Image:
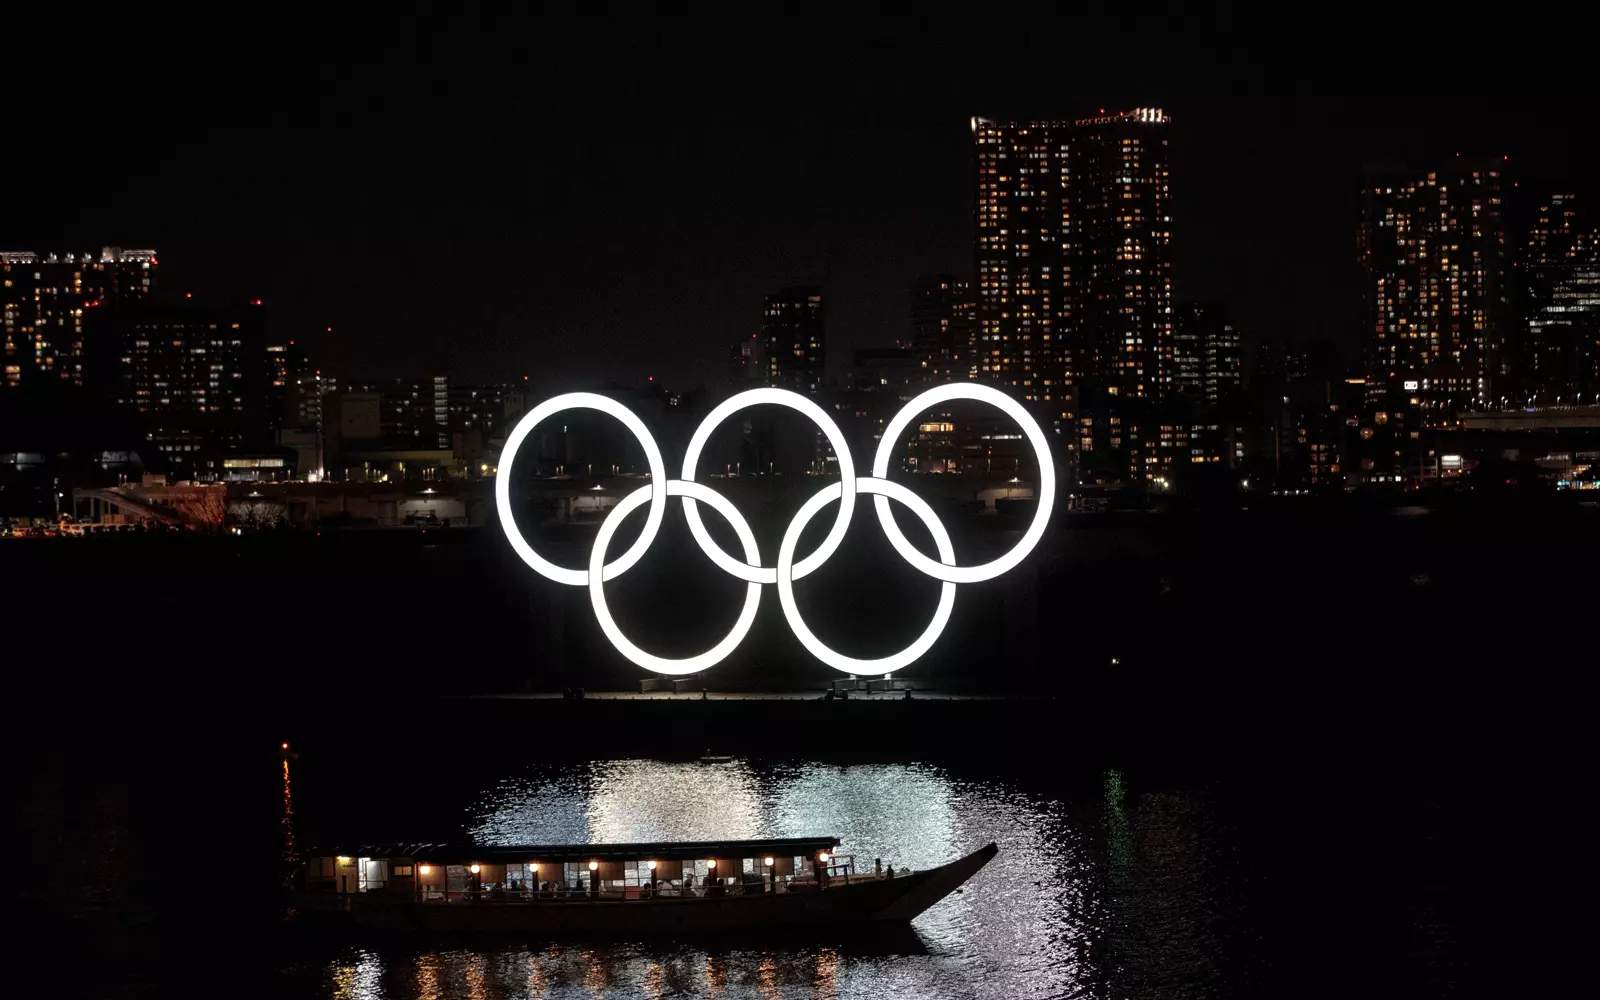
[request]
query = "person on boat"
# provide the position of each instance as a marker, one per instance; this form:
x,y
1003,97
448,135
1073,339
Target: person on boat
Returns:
x,y
688,883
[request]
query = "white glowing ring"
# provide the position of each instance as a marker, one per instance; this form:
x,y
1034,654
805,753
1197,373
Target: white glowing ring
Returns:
x,y
787,570
502,485
597,593
947,590
1046,495
847,480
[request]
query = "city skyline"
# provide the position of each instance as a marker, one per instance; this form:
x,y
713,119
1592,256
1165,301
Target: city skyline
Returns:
x,y
543,240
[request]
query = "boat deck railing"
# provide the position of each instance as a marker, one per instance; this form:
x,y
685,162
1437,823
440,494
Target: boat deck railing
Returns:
x,y
496,895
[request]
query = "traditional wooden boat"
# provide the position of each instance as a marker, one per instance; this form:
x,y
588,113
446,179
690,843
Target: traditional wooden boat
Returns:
x,y
602,889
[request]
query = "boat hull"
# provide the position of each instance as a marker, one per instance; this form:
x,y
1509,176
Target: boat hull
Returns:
x,y
877,901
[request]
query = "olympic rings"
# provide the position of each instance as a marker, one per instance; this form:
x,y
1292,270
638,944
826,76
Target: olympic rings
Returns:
x,y
947,590
847,475
1047,482
502,485
597,592
786,570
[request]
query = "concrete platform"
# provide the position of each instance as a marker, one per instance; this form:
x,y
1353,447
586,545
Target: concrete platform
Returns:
x,y
697,695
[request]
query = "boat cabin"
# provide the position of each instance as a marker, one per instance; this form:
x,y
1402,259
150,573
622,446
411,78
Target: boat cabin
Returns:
x,y
443,874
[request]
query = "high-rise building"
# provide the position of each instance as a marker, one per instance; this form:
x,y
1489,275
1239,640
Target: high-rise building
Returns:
x,y
43,298
1208,355
1073,256
792,333
304,399
1433,251
1561,348
411,413
196,376
490,410
747,363
943,314
286,366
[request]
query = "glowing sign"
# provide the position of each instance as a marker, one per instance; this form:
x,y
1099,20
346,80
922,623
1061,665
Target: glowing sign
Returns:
x,y
788,569
1411,385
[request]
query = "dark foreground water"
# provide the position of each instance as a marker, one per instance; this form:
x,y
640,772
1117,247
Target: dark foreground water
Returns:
x,y
1263,871
1340,758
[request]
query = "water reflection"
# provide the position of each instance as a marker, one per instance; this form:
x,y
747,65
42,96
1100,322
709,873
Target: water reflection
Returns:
x,y
360,978
1027,904
1103,893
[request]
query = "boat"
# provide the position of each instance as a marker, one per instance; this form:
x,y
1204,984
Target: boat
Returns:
x,y
628,889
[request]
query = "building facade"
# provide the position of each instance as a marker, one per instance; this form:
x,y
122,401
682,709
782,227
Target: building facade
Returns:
x,y
747,363
410,413
196,377
794,339
1073,256
1208,353
43,303
943,316
1561,346
287,368
1432,248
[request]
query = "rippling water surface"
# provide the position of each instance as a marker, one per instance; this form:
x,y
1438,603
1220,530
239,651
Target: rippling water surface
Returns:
x,y
1097,893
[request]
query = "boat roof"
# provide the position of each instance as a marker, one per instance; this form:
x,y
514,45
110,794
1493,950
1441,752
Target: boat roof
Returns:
x,y
672,850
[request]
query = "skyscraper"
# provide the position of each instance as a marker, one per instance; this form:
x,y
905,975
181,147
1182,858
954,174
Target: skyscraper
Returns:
x,y
42,303
1561,348
406,413
793,335
197,376
747,363
943,314
1073,256
286,366
1433,251
1208,357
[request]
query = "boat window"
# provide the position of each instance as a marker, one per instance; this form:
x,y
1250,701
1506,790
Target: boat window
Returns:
x,y
374,873
575,873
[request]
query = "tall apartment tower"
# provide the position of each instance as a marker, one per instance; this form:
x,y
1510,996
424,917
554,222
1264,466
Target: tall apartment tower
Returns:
x,y
1432,248
1074,256
42,302
286,365
943,315
196,375
1208,354
792,334
1561,345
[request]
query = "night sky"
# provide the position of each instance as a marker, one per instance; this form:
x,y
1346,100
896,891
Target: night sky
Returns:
x,y
573,200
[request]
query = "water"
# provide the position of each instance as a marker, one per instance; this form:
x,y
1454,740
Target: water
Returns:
x,y
1252,874
1341,769
1061,908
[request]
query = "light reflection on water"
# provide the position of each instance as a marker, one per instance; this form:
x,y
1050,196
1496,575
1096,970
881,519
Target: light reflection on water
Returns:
x,y
1065,910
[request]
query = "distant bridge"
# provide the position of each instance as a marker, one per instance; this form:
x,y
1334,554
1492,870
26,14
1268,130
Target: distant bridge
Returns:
x,y
129,505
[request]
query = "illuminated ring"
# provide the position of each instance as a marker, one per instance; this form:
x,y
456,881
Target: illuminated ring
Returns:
x,y
1047,483
847,480
502,486
597,592
947,590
